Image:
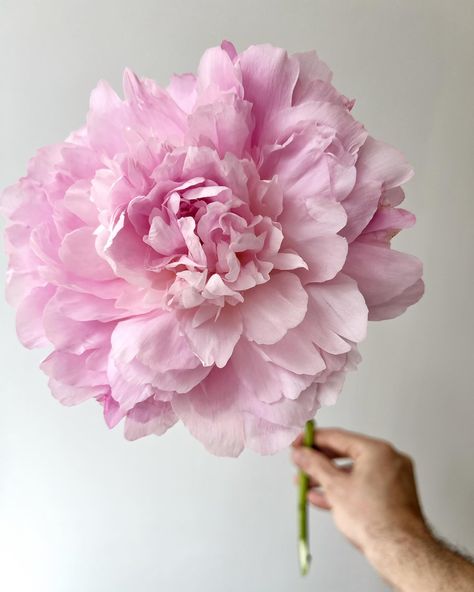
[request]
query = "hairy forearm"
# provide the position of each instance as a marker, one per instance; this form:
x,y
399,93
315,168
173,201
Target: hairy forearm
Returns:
x,y
413,560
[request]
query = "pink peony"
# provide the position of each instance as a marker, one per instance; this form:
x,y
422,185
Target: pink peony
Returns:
x,y
210,252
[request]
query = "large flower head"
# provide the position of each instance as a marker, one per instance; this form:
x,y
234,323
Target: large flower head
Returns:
x,y
210,252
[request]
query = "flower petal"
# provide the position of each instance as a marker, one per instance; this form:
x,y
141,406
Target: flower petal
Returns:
x,y
271,309
210,414
398,304
217,69
380,168
264,380
310,229
149,417
71,335
79,255
213,340
182,88
74,395
337,314
155,340
265,437
383,275
72,369
29,317
269,77
295,352
152,350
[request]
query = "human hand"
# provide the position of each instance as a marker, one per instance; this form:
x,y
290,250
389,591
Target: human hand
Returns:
x,y
375,504
374,499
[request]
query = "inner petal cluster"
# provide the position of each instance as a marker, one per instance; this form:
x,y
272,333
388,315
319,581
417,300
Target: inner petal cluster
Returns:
x,y
204,239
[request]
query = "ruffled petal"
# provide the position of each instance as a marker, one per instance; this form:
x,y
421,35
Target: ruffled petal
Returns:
x,y
79,255
127,253
74,395
271,309
153,108
152,350
265,437
224,125
80,306
259,377
380,168
310,229
182,89
398,304
383,275
149,417
287,413
213,340
269,77
106,121
155,340
74,336
337,314
73,369
296,352
29,317
387,222
210,413
216,69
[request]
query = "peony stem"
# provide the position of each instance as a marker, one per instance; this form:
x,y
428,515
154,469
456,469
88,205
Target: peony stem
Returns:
x,y
303,531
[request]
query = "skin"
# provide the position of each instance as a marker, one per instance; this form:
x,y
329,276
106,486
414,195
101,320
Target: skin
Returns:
x,y
375,504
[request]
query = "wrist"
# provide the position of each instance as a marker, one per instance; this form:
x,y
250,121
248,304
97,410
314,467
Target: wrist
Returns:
x,y
382,541
398,551
409,557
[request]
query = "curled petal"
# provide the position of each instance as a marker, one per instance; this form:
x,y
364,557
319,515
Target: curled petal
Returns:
x,y
149,417
72,369
78,253
384,275
337,314
311,229
217,69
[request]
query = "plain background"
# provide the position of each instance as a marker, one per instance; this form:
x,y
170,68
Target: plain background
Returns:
x,y
81,509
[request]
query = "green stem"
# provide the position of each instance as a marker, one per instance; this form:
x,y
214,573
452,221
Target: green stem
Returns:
x,y
303,534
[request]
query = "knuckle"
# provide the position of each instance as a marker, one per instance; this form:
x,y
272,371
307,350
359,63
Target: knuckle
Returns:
x,y
329,487
307,464
310,466
334,486
312,470
385,449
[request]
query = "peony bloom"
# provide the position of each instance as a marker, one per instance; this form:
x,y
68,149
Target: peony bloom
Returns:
x,y
210,252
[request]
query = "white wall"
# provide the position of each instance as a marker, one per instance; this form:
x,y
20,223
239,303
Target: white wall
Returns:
x,y
82,510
